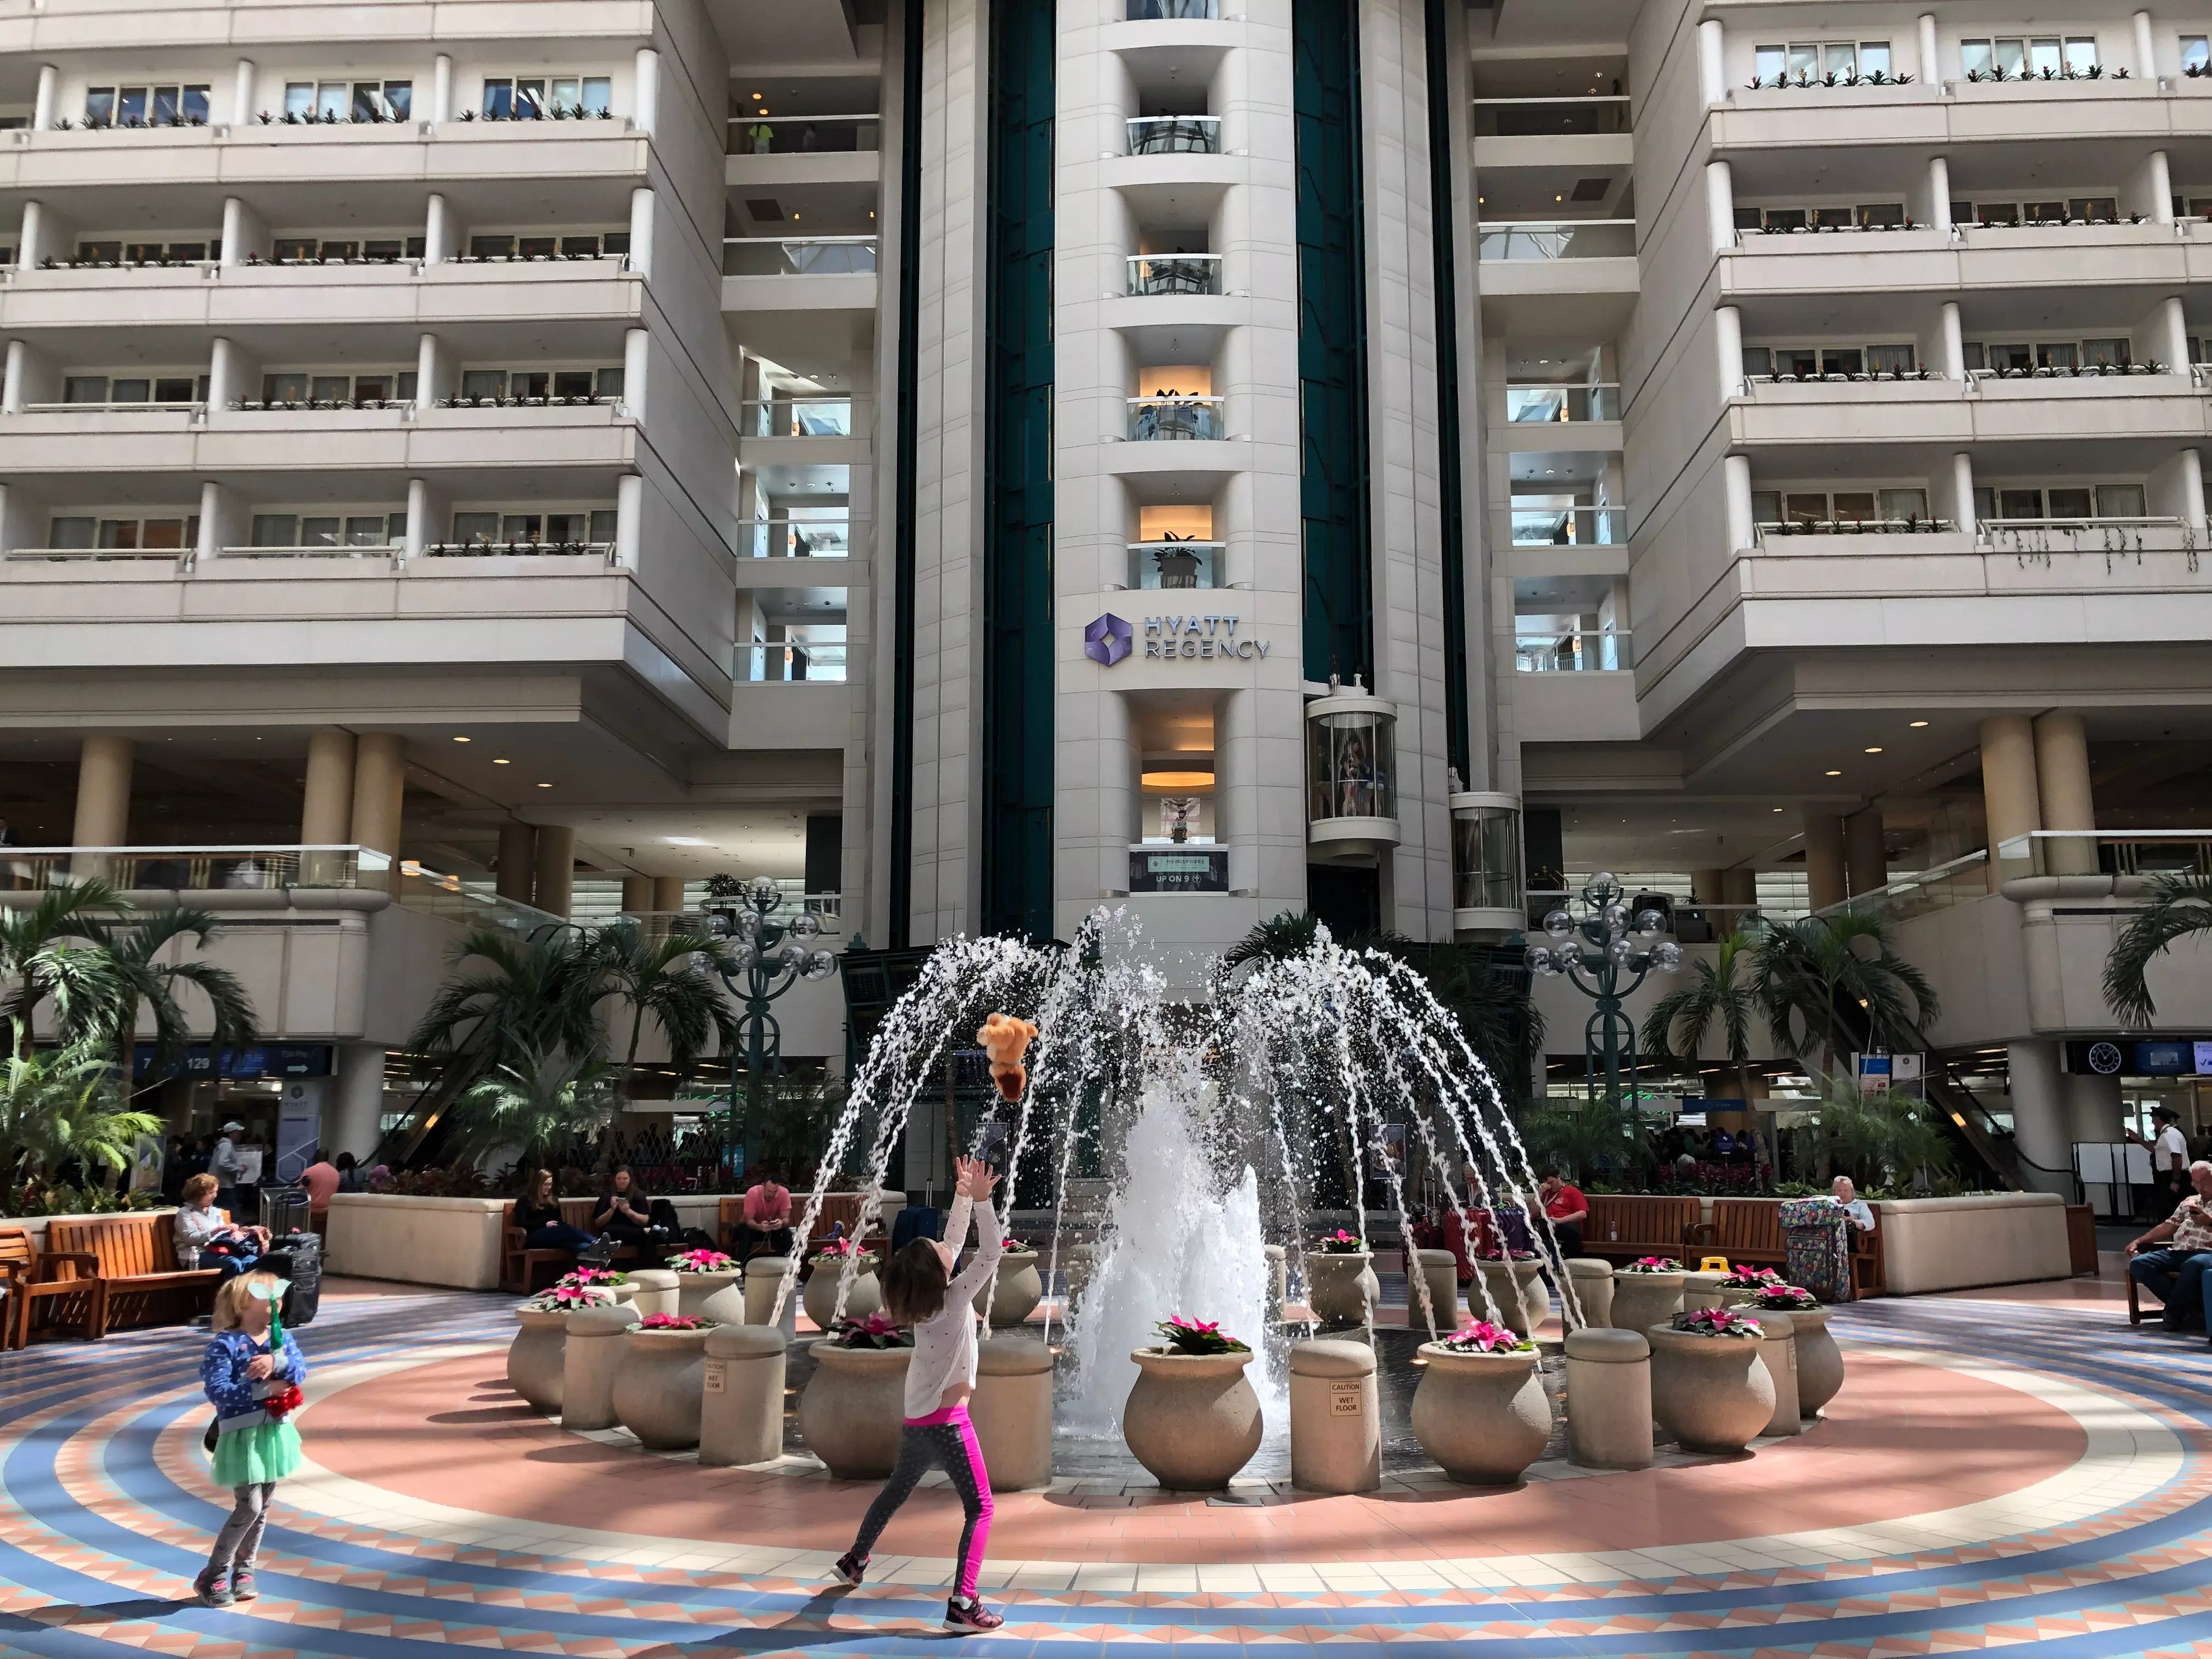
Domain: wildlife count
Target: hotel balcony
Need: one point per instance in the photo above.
(1958, 113)
(1175, 564)
(2157, 258)
(2062, 409)
(773, 274)
(1589, 132)
(786, 152)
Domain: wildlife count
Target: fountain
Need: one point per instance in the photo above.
(1218, 1123)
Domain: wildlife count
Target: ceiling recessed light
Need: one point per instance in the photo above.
(1835, 774)
(1777, 809)
(461, 739)
(684, 840)
(1873, 749)
(545, 786)
(1916, 725)
(496, 762)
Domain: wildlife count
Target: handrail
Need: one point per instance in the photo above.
(1560, 98)
(1905, 885)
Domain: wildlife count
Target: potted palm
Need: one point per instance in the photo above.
(1720, 993)
(851, 1409)
(1479, 1408)
(1709, 1387)
(664, 1373)
(1340, 1282)
(1192, 1418)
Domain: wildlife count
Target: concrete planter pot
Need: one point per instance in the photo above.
(1341, 1289)
(1593, 1284)
(1819, 1361)
(1712, 1393)
(1643, 1300)
(1191, 1419)
(1012, 1410)
(820, 1297)
(694, 1291)
(1440, 1273)
(854, 1408)
(1705, 1290)
(652, 1289)
(591, 1359)
(1483, 1416)
(657, 1389)
(1013, 1295)
(536, 1357)
(1518, 1289)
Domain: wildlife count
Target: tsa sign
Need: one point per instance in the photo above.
(1873, 1072)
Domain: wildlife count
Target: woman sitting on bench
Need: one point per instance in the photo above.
(204, 1239)
(538, 1215)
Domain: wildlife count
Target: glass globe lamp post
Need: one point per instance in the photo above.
(772, 953)
(1606, 954)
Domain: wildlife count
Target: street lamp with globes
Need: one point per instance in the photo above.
(774, 954)
(1606, 955)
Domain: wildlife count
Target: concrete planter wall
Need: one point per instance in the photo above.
(1642, 1300)
(1011, 1298)
(1518, 1289)
(1341, 1289)
(1705, 1290)
(535, 1358)
(1483, 1416)
(1593, 1286)
(658, 1387)
(1712, 1393)
(1193, 1419)
(1012, 1410)
(694, 1292)
(854, 1408)
(1819, 1361)
(865, 1296)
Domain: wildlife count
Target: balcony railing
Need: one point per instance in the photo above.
(1550, 118)
(1560, 653)
(792, 659)
(58, 554)
(1175, 273)
(804, 135)
(1538, 240)
(1571, 526)
(1779, 529)
(318, 550)
(515, 549)
(1594, 401)
(1175, 135)
(193, 869)
(1175, 564)
(1158, 11)
(2033, 535)
(797, 417)
(1961, 881)
(2108, 852)
(799, 256)
(795, 538)
(1154, 419)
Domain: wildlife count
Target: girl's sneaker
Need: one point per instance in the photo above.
(849, 1567)
(211, 1591)
(970, 1615)
(241, 1585)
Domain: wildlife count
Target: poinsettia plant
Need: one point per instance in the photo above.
(1716, 1322)
(877, 1330)
(591, 1278)
(1750, 1278)
(1779, 1298)
(1010, 1243)
(1653, 1264)
(1199, 1336)
(661, 1322)
(702, 1262)
(1481, 1336)
(562, 1298)
(1339, 1243)
(840, 1247)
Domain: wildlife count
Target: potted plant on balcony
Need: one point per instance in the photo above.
(1479, 1408)
(863, 1296)
(1819, 1361)
(702, 1276)
(1708, 1388)
(853, 1407)
(1340, 1282)
(1192, 1418)
(1645, 1292)
(657, 1391)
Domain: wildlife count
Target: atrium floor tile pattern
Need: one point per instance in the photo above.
(1997, 1472)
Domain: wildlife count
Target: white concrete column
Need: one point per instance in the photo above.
(30, 242)
(629, 520)
(215, 501)
(1720, 205)
(1931, 66)
(11, 387)
(103, 791)
(646, 97)
(380, 792)
(441, 237)
(244, 232)
(1824, 880)
(556, 869)
(637, 349)
(230, 375)
(434, 371)
(2149, 189)
(15, 532)
(2174, 347)
(1939, 193)
(1742, 526)
(356, 1125)
(2146, 53)
(2191, 468)
(241, 94)
(2011, 804)
(441, 88)
(1727, 349)
(2039, 1118)
(1712, 62)
(421, 532)
(1962, 493)
(640, 232)
(326, 806)
(2063, 789)
(42, 107)
(1954, 344)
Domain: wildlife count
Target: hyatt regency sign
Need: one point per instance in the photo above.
(1189, 638)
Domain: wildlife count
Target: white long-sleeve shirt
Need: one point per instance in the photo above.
(944, 1346)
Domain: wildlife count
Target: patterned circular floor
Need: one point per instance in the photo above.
(1996, 1473)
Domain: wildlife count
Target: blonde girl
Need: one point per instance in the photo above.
(252, 1370)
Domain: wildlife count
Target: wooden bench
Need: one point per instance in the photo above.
(135, 1257)
(520, 1264)
(1624, 1226)
(835, 1207)
(1747, 1232)
(48, 1292)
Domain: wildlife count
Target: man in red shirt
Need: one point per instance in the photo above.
(1566, 1207)
(766, 1228)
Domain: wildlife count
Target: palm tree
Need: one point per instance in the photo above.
(658, 977)
(1493, 1005)
(28, 937)
(60, 1106)
(537, 1104)
(1676, 1026)
(1289, 933)
(2179, 905)
(1880, 1137)
(1594, 1139)
(1835, 981)
(511, 999)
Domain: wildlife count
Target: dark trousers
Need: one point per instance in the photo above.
(944, 1440)
(748, 1237)
(2176, 1278)
(558, 1236)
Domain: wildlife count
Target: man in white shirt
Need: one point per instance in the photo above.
(2169, 1157)
(224, 1165)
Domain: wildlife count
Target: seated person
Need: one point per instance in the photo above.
(624, 1215)
(2175, 1272)
(204, 1239)
(1566, 1206)
(1847, 1200)
(537, 1213)
(766, 1228)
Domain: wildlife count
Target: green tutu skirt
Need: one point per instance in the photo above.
(251, 1458)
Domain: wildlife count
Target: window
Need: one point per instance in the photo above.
(537, 97)
(1905, 504)
(146, 106)
(1809, 362)
(1803, 510)
(1891, 359)
(2018, 357)
(349, 100)
(304, 386)
(1882, 216)
(2071, 504)
(593, 526)
(124, 534)
(375, 250)
(2048, 57)
(1801, 62)
(152, 389)
(2196, 55)
(518, 384)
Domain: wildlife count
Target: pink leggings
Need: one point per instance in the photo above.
(943, 1440)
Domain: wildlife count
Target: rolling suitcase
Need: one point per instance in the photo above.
(299, 1257)
(284, 1210)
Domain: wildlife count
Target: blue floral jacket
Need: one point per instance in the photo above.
(222, 1372)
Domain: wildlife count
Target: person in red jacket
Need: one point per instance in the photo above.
(1567, 1207)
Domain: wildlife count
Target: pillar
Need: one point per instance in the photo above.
(668, 895)
(1939, 194)
(1931, 66)
(1963, 515)
(637, 896)
(640, 231)
(2041, 1127)
(556, 869)
(1954, 344)
(1824, 860)
(1740, 886)
(645, 96)
(326, 805)
(380, 785)
(1720, 205)
(42, 106)
(357, 1124)
(2009, 799)
(1706, 886)
(2093, 1106)
(637, 360)
(1742, 524)
(2061, 787)
(103, 801)
(1866, 864)
(2174, 327)
(2146, 56)
(440, 244)
(441, 88)
(1712, 62)
(1727, 350)
(517, 874)
(241, 94)
(629, 521)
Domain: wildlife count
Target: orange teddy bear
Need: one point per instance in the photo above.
(1007, 1039)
